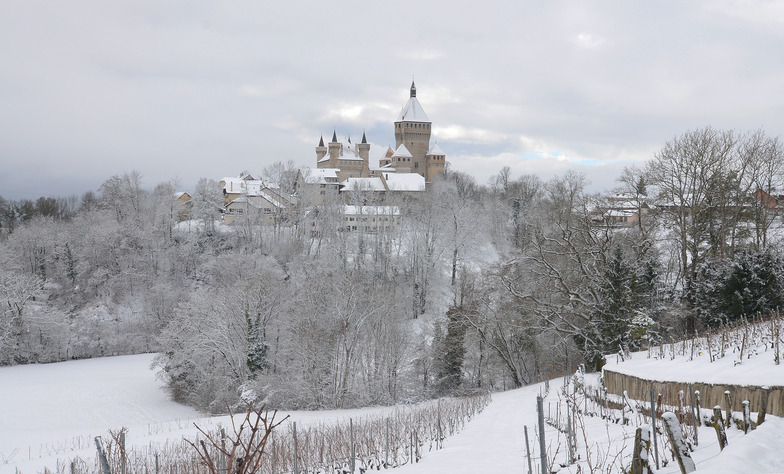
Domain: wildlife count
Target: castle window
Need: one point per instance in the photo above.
(416, 165)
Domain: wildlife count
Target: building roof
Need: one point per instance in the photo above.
(242, 185)
(413, 112)
(436, 150)
(363, 184)
(405, 181)
(319, 175)
(371, 210)
(402, 152)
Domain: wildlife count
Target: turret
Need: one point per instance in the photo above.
(436, 159)
(364, 153)
(334, 149)
(321, 150)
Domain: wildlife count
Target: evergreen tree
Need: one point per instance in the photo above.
(748, 284)
(257, 347)
(619, 321)
(450, 367)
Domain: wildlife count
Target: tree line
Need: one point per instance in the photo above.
(480, 287)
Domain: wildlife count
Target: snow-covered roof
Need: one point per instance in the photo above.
(412, 112)
(319, 175)
(405, 181)
(243, 185)
(255, 202)
(363, 184)
(436, 150)
(371, 210)
(402, 152)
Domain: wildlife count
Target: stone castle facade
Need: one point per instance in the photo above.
(413, 152)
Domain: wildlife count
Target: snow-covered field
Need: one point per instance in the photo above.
(53, 412)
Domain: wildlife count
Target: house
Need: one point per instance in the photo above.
(370, 219)
(255, 201)
(184, 205)
(621, 210)
(765, 200)
(317, 185)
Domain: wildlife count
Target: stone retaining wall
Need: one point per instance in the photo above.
(710, 394)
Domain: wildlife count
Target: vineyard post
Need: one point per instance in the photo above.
(274, 458)
(679, 448)
(746, 417)
(681, 403)
(386, 452)
(542, 446)
(623, 405)
(296, 467)
(653, 429)
(351, 440)
(694, 416)
(637, 453)
(728, 399)
(411, 448)
(570, 459)
(574, 419)
(123, 460)
(527, 449)
(222, 465)
(102, 455)
(763, 409)
(439, 443)
(718, 423)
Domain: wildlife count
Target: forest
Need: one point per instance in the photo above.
(480, 287)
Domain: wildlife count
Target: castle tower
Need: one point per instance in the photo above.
(321, 150)
(402, 160)
(412, 129)
(364, 152)
(436, 159)
(334, 150)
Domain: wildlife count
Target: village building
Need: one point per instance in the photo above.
(255, 201)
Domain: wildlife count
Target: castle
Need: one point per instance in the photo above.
(412, 153)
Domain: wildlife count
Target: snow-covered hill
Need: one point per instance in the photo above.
(51, 413)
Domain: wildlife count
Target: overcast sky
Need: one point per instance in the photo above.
(190, 89)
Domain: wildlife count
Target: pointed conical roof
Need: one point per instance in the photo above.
(364, 139)
(435, 150)
(334, 137)
(321, 141)
(402, 152)
(412, 111)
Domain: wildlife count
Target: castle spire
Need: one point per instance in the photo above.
(413, 88)
(334, 136)
(364, 140)
(321, 141)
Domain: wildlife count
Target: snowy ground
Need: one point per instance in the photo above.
(53, 412)
(759, 369)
